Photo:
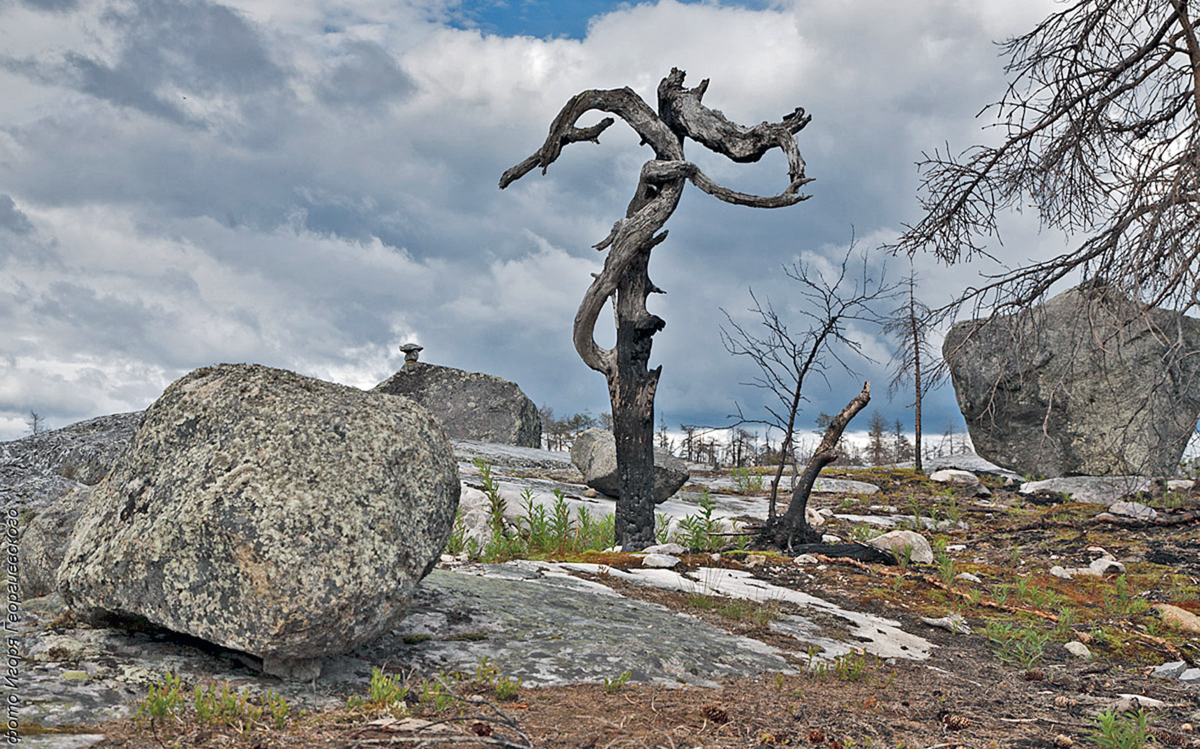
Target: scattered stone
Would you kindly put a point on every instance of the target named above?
(1170, 670)
(1105, 553)
(674, 549)
(954, 623)
(1099, 490)
(902, 542)
(1180, 485)
(1178, 618)
(1029, 388)
(829, 538)
(806, 559)
(1135, 510)
(1190, 676)
(956, 477)
(1079, 650)
(660, 561)
(814, 518)
(1061, 572)
(470, 405)
(44, 543)
(754, 560)
(1131, 703)
(1104, 566)
(594, 453)
(967, 577)
(269, 513)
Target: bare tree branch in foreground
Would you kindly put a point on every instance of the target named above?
(625, 279)
(1101, 122)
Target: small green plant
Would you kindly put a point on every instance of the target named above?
(231, 707)
(164, 699)
(504, 687)
(852, 666)
(614, 685)
(384, 694)
(863, 533)
(1066, 618)
(699, 530)
(1121, 730)
(945, 565)
(1022, 647)
(747, 480)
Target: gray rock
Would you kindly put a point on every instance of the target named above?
(956, 477)
(44, 543)
(1135, 510)
(1084, 384)
(470, 405)
(967, 577)
(1079, 650)
(82, 452)
(267, 512)
(1170, 670)
(953, 623)
(594, 453)
(897, 542)
(1101, 490)
(661, 561)
(672, 549)
(1190, 676)
(843, 486)
(23, 488)
(1180, 485)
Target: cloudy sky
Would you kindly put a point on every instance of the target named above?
(310, 183)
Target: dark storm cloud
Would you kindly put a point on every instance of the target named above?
(366, 77)
(197, 47)
(12, 218)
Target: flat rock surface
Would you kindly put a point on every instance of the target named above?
(1101, 490)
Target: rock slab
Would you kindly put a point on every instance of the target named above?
(470, 405)
(267, 512)
(594, 453)
(1087, 383)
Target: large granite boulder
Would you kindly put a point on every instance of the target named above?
(82, 452)
(594, 453)
(269, 513)
(471, 405)
(1087, 383)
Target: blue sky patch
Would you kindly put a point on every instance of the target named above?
(548, 18)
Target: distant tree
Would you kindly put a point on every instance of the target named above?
(902, 449)
(877, 447)
(1102, 130)
(787, 359)
(625, 278)
(664, 439)
(36, 423)
(915, 360)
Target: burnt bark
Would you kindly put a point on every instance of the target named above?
(625, 277)
(792, 527)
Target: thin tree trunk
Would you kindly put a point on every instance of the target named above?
(793, 528)
(916, 333)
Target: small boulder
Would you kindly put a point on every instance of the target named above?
(1170, 670)
(1177, 618)
(594, 453)
(1100, 490)
(269, 513)
(898, 543)
(1079, 650)
(470, 405)
(660, 561)
(967, 480)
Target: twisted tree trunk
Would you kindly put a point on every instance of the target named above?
(625, 277)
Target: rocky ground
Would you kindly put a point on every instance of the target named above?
(728, 648)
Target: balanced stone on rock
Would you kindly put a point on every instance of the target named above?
(594, 453)
(470, 405)
(267, 512)
(1088, 383)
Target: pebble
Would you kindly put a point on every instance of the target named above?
(1079, 650)
(1168, 670)
(829, 538)
(1191, 676)
(967, 577)
(953, 623)
(806, 559)
(673, 549)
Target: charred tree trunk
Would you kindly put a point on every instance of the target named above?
(625, 278)
(792, 527)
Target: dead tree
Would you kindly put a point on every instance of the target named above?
(625, 278)
(792, 528)
(1102, 137)
(915, 361)
(786, 358)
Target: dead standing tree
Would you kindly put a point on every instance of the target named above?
(625, 277)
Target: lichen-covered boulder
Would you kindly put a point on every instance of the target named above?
(44, 543)
(83, 452)
(1088, 383)
(267, 512)
(594, 453)
(470, 405)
